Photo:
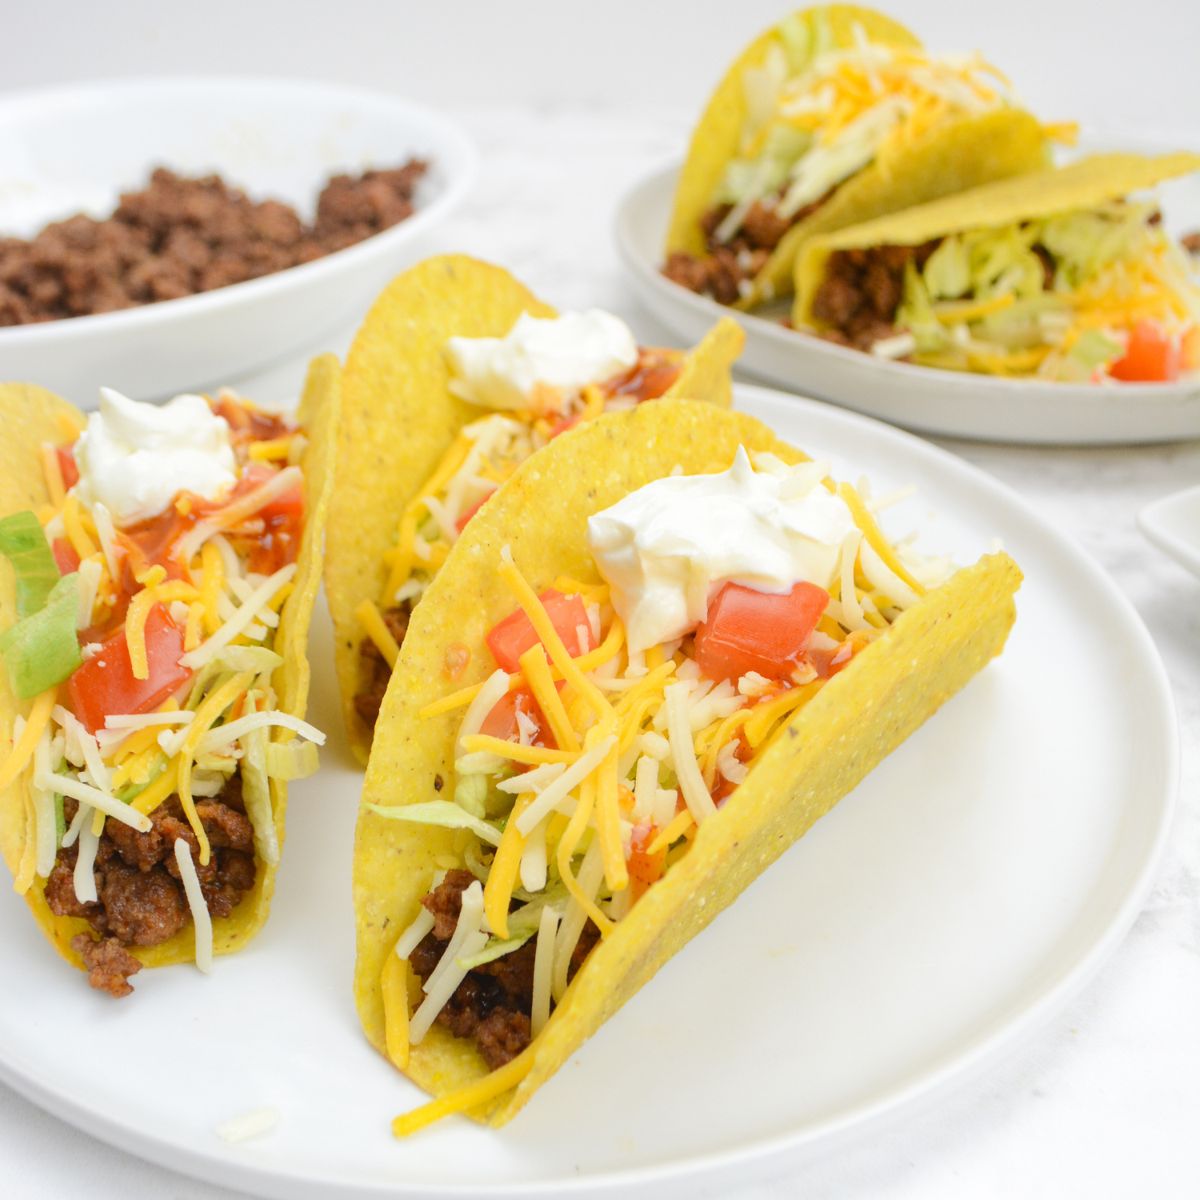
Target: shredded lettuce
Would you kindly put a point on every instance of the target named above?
(749, 179)
(1084, 243)
(256, 793)
(291, 760)
(35, 572)
(42, 649)
(471, 793)
(258, 659)
(798, 40)
(443, 813)
(493, 950)
(947, 273)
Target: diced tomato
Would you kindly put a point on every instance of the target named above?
(501, 722)
(286, 504)
(644, 868)
(747, 630)
(1189, 349)
(105, 684)
(565, 423)
(65, 556)
(283, 521)
(250, 424)
(515, 634)
(1152, 356)
(66, 465)
(149, 543)
(649, 378)
(461, 523)
(828, 662)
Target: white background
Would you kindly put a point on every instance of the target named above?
(570, 102)
(1129, 62)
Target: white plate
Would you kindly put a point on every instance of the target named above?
(951, 904)
(76, 148)
(1173, 525)
(922, 398)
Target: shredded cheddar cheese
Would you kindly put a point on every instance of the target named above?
(374, 626)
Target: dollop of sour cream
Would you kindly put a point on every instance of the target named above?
(135, 458)
(668, 547)
(561, 354)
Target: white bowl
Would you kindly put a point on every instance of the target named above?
(1173, 525)
(921, 398)
(65, 150)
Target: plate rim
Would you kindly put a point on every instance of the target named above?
(670, 298)
(851, 1121)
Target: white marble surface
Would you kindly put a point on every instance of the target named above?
(1104, 1101)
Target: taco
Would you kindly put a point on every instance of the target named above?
(832, 117)
(161, 569)
(684, 644)
(1063, 275)
(457, 374)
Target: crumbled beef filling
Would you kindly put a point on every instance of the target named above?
(863, 288)
(491, 1006)
(108, 964)
(374, 671)
(179, 236)
(140, 899)
(861, 291)
(728, 267)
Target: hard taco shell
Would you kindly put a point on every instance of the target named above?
(957, 154)
(399, 418)
(1085, 184)
(32, 416)
(853, 722)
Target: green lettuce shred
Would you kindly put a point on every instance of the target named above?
(35, 572)
(443, 813)
(42, 649)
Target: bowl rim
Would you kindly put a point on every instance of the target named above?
(456, 156)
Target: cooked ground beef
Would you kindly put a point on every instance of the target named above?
(374, 671)
(140, 900)
(178, 236)
(109, 965)
(492, 1003)
(722, 272)
(861, 291)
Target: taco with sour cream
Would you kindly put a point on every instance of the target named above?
(1065, 275)
(685, 644)
(457, 375)
(160, 569)
(832, 117)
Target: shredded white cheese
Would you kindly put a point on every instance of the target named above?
(543, 969)
(85, 864)
(248, 1125)
(224, 734)
(561, 787)
(415, 934)
(683, 753)
(468, 938)
(195, 898)
(250, 608)
(78, 790)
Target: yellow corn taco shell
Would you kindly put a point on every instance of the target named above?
(1084, 184)
(931, 651)
(956, 154)
(32, 416)
(399, 418)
